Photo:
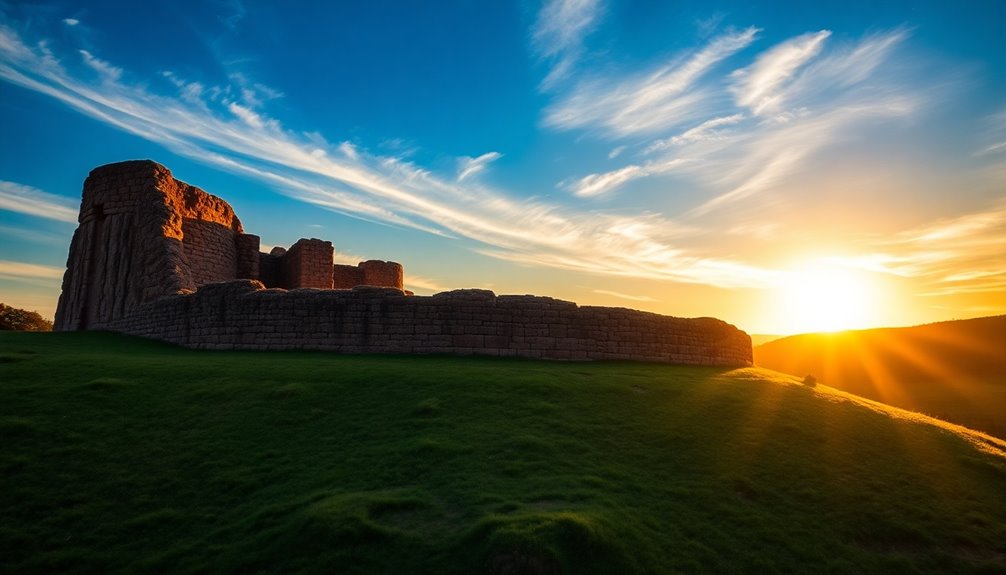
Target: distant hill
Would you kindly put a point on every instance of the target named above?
(763, 338)
(954, 370)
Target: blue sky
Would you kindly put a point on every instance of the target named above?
(689, 160)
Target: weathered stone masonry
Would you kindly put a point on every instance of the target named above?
(157, 258)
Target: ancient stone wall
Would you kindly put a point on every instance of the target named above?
(144, 234)
(128, 248)
(210, 250)
(244, 315)
(308, 264)
(270, 271)
(246, 247)
(379, 273)
(158, 258)
(346, 276)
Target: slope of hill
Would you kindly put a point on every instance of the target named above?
(763, 338)
(954, 370)
(122, 455)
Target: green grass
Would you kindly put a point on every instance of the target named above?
(122, 455)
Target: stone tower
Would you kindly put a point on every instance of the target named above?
(144, 235)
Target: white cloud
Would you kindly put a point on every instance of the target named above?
(468, 167)
(558, 34)
(22, 270)
(763, 159)
(605, 182)
(616, 152)
(246, 115)
(735, 157)
(191, 92)
(992, 149)
(349, 150)
(757, 87)
(647, 102)
(995, 135)
(420, 284)
(24, 199)
(106, 70)
(596, 184)
(624, 295)
(71, 22)
(389, 189)
(704, 131)
(346, 258)
(962, 254)
(36, 236)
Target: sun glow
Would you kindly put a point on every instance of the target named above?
(827, 298)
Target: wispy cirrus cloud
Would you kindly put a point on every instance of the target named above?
(646, 102)
(961, 254)
(420, 284)
(558, 33)
(104, 69)
(757, 86)
(995, 135)
(624, 296)
(468, 167)
(598, 184)
(24, 199)
(218, 129)
(816, 98)
(704, 131)
(27, 271)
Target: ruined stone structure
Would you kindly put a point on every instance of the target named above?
(144, 235)
(158, 258)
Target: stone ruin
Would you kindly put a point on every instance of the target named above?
(144, 235)
(158, 258)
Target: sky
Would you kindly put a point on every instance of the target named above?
(784, 166)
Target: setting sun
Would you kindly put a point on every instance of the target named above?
(825, 297)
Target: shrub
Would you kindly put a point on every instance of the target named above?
(810, 381)
(14, 319)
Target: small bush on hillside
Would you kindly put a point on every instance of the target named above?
(810, 381)
(14, 319)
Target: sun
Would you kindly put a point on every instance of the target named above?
(826, 297)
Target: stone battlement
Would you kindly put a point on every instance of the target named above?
(157, 258)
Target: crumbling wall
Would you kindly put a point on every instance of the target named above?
(244, 315)
(383, 274)
(270, 271)
(210, 251)
(128, 247)
(308, 263)
(371, 273)
(146, 242)
(246, 247)
(346, 276)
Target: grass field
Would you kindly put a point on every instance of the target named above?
(119, 455)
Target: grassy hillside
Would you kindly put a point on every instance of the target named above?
(953, 370)
(121, 455)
